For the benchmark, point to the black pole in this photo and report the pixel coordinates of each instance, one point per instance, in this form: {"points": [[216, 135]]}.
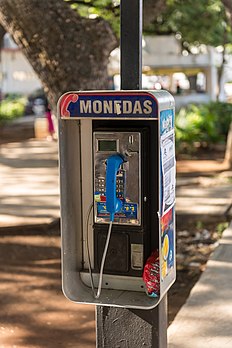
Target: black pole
{"points": [[131, 44], [124, 328], [121, 327]]}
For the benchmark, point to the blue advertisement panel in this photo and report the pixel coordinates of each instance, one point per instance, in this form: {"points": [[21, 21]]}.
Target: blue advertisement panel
{"points": [[167, 192]]}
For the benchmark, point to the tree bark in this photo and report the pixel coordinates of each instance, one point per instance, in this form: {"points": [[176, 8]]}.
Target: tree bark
{"points": [[151, 10], [228, 153], [67, 52], [228, 5], [2, 33], [221, 71]]}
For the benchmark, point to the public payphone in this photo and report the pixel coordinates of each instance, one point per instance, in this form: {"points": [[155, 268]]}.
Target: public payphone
{"points": [[117, 176], [117, 166]]}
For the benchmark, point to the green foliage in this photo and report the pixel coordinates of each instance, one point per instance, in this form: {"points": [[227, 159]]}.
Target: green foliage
{"points": [[199, 225], [199, 21], [221, 227], [107, 9], [11, 108], [204, 124], [195, 21]]}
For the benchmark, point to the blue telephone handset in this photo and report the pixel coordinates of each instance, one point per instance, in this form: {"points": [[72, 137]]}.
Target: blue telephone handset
{"points": [[113, 204]]}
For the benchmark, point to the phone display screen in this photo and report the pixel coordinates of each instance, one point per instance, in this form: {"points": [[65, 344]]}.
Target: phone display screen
{"points": [[107, 145]]}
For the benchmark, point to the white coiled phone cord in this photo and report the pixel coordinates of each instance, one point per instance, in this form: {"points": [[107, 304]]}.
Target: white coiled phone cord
{"points": [[103, 256]]}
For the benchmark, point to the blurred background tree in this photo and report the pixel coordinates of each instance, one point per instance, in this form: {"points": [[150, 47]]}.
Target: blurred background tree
{"points": [[66, 50], [68, 42]]}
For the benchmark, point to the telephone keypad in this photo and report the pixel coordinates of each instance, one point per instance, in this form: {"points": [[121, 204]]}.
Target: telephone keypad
{"points": [[100, 185], [120, 184]]}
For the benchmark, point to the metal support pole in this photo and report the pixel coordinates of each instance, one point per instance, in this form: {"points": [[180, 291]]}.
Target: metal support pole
{"points": [[120, 327], [124, 328], [131, 44]]}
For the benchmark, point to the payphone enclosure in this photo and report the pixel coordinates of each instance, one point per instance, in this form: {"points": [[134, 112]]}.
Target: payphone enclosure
{"points": [[139, 127]]}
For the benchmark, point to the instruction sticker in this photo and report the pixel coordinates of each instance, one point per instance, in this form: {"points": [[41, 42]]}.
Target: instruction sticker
{"points": [[168, 169]]}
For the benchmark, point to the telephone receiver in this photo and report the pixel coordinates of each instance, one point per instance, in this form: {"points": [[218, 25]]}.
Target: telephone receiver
{"points": [[113, 204]]}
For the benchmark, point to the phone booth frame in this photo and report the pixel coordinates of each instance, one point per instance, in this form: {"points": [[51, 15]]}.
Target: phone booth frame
{"points": [[76, 183]]}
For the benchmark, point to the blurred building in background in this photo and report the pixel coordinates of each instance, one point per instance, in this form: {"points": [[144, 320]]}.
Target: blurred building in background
{"points": [[16, 73], [191, 77]]}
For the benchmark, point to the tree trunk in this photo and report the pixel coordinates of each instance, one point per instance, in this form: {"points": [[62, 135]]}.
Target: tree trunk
{"points": [[228, 5], [222, 66], [228, 153], [220, 73], [67, 52], [151, 10], [2, 33]]}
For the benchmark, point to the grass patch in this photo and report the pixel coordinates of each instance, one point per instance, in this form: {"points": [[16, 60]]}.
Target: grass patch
{"points": [[12, 108]]}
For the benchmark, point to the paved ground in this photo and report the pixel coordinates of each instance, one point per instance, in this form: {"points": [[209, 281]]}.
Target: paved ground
{"points": [[29, 192], [29, 188], [205, 198], [205, 321], [33, 312]]}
